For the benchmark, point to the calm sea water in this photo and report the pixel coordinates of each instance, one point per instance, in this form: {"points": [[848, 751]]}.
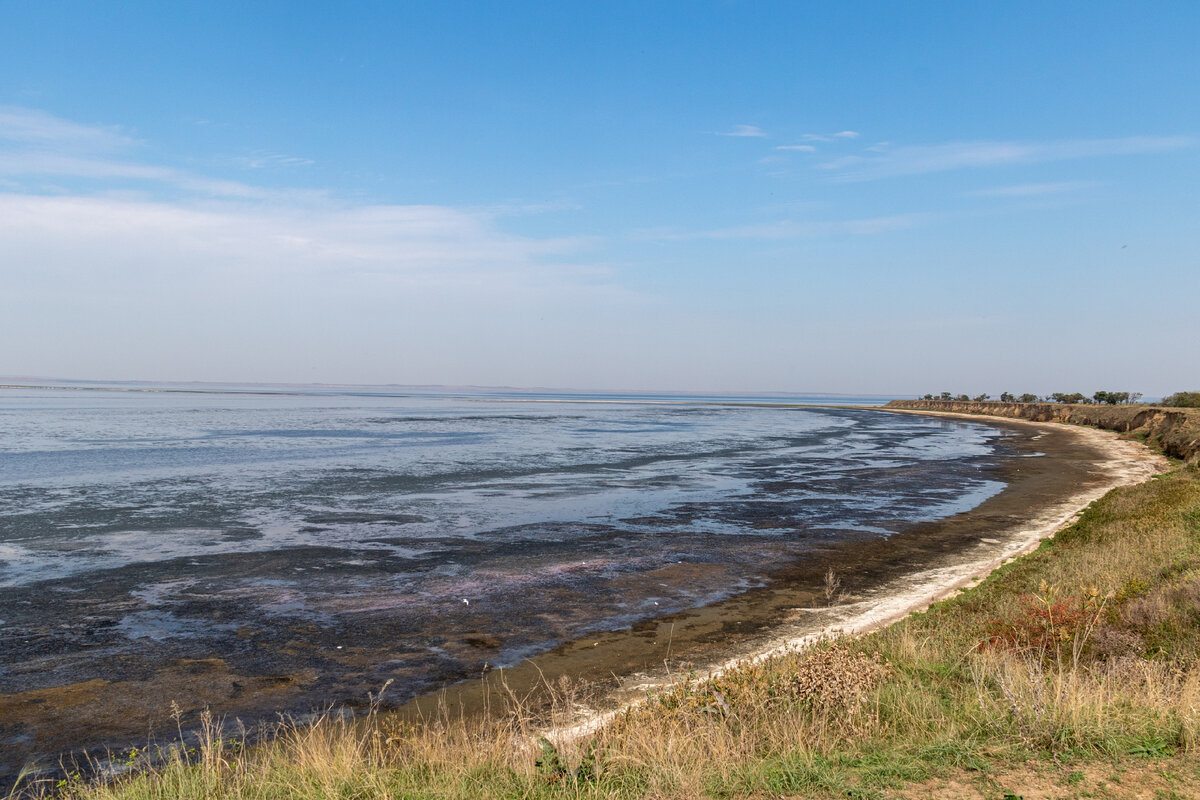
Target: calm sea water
{"points": [[141, 528]]}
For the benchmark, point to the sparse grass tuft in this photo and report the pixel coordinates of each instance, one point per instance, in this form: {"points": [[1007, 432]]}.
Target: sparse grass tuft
{"points": [[1085, 652]]}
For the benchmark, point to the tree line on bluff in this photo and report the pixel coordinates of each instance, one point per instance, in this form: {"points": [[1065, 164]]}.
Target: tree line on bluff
{"points": [[1177, 400]]}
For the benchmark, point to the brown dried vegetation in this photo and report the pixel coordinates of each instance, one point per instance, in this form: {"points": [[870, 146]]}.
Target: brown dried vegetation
{"points": [[1084, 653]]}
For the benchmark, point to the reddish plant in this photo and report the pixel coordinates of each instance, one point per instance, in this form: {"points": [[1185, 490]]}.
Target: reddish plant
{"points": [[1044, 622]]}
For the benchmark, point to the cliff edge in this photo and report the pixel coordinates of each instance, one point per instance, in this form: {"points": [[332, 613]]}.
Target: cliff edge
{"points": [[1176, 431]]}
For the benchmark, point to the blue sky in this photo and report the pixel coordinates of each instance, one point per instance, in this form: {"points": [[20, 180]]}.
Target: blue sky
{"points": [[707, 196]]}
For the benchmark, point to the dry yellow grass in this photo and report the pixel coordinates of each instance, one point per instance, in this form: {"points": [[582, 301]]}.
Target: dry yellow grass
{"points": [[1104, 670]]}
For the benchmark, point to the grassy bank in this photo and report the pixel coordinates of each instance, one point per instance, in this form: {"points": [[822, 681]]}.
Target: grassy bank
{"points": [[1070, 672]]}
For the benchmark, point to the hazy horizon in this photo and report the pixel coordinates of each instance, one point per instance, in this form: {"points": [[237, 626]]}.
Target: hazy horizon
{"points": [[41, 381], [723, 197], [27, 380]]}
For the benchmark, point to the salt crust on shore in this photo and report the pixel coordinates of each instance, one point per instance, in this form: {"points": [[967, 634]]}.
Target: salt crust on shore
{"points": [[1126, 463]]}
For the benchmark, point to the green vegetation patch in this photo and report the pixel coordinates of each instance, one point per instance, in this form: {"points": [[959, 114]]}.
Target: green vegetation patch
{"points": [[1083, 652]]}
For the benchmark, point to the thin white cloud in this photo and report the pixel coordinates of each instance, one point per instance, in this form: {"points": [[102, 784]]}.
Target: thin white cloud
{"points": [[69, 165], [265, 160], [237, 290], [52, 165], [744, 130], [40, 166], [1034, 189], [33, 127], [66, 237], [921, 160], [36, 146], [802, 148], [830, 137], [72, 197], [793, 229]]}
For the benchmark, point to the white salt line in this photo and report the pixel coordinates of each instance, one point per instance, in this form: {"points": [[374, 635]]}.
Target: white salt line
{"points": [[1127, 463]]}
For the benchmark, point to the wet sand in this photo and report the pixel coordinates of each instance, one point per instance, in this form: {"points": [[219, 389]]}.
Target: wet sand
{"points": [[883, 579]]}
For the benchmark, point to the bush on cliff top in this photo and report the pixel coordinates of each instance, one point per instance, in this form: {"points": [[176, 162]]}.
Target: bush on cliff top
{"points": [[1103, 397], [1182, 400]]}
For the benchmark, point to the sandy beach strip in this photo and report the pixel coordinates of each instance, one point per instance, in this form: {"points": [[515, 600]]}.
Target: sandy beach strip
{"points": [[1122, 462], [1058, 470]]}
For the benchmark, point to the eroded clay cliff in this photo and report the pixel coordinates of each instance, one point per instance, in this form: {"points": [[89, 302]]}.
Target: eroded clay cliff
{"points": [[1175, 430]]}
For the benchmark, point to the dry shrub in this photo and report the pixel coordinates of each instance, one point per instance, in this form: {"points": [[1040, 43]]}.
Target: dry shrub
{"points": [[804, 701], [1111, 643], [832, 679], [837, 681], [825, 690]]}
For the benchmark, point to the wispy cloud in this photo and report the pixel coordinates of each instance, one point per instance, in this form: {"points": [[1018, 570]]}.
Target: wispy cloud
{"points": [[73, 195], [35, 145], [1034, 189], [800, 229], [405, 245], [263, 160], [830, 137], [744, 130], [803, 148], [36, 128], [919, 160], [45, 164]]}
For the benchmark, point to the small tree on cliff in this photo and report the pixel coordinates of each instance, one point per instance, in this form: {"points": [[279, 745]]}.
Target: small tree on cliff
{"points": [[1111, 398], [1027, 398], [982, 398], [1007, 397], [1063, 397]]}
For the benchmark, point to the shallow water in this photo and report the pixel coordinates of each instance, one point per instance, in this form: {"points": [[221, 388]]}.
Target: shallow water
{"points": [[362, 538]]}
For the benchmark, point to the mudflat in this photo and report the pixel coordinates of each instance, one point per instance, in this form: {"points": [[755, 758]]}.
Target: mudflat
{"points": [[1057, 470]]}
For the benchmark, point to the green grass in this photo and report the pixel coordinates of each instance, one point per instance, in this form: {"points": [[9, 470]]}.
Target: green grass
{"points": [[1106, 669]]}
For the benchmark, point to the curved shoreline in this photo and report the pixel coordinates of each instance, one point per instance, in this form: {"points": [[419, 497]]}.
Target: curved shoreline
{"points": [[886, 579], [1081, 465]]}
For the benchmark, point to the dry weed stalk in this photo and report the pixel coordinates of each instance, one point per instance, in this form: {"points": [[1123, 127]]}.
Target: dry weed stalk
{"points": [[833, 587]]}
